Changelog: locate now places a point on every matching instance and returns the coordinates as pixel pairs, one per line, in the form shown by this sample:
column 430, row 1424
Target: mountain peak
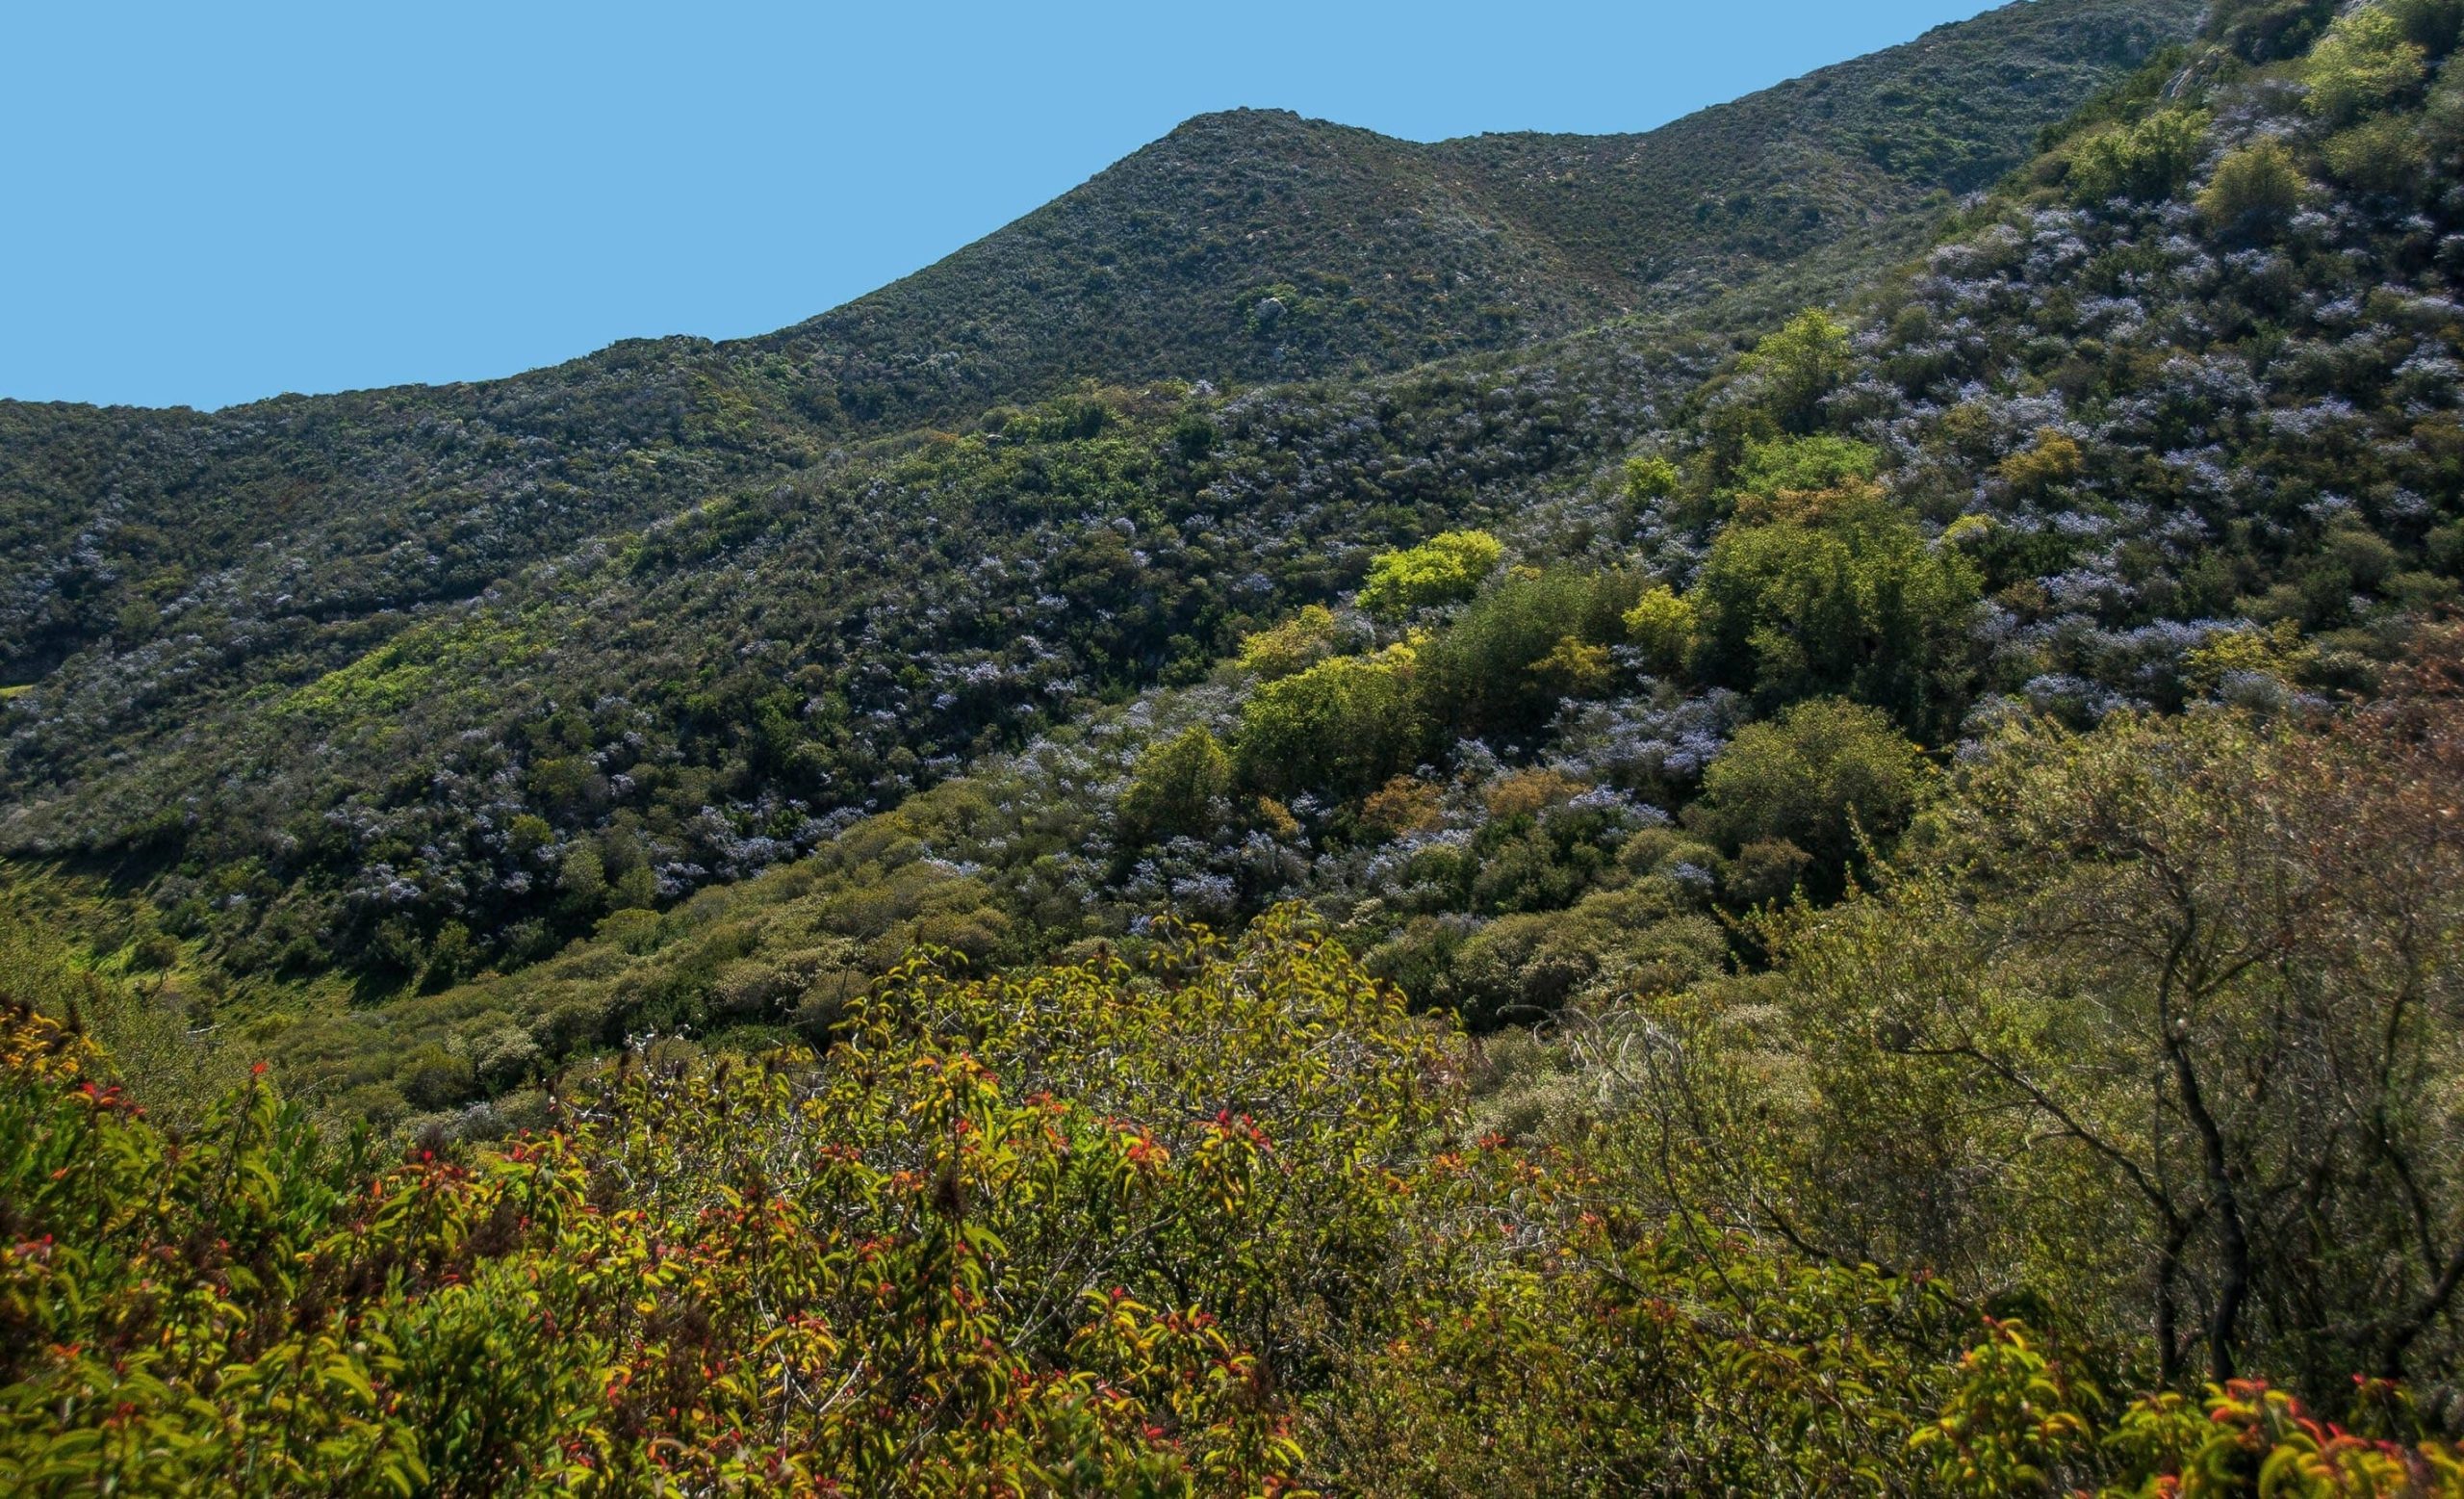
column 1392, row 252
column 1246, row 246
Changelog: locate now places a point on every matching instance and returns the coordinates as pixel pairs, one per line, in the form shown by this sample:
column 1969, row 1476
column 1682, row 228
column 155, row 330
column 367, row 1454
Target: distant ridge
column 1384, row 253
column 1245, row 246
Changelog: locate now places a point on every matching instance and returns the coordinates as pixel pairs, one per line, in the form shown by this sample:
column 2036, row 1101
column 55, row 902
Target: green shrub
column 1816, row 779
column 2149, row 160
column 1805, row 465
column 2256, row 190
column 1611, row 945
column 1445, row 569
column 633, row 929
column 1848, row 598
column 1521, row 649
column 1650, row 478
column 1799, row 366
column 1182, row 788
column 2366, row 63
column 435, row 1079
column 1342, row 728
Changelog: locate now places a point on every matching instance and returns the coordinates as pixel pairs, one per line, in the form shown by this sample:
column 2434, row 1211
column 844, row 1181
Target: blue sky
column 212, row 203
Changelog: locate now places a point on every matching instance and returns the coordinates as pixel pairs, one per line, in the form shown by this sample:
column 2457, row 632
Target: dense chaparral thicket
column 244, row 644
column 2106, row 448
column 1229, row 1218
column 1244, row 247
column 1809, row 912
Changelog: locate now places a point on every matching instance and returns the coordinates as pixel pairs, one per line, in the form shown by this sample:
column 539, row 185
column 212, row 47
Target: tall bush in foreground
column 1069, row 1233
column 2158, row 1019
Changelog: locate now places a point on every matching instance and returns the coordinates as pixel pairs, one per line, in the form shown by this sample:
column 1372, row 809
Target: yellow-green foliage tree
column 1841, row 596
column 2158, row 1019
column 1651, row 477
column 1292, row 646
column 1066, row 1233
column 1183, row 787
column 1662, row 626
column 2368, row 60
column 1447, row 568
column 2148, row 159
column 1798, row 365
column 1343, row 727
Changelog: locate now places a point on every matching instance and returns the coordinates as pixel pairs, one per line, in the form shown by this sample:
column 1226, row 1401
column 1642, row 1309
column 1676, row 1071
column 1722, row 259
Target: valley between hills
column 1767, row 806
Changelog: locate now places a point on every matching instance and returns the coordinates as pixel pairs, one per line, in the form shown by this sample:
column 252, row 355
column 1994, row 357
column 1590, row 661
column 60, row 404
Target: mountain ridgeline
column 1260, row 246
column 1763, row 809
column 256, row 638
column 1244, row 247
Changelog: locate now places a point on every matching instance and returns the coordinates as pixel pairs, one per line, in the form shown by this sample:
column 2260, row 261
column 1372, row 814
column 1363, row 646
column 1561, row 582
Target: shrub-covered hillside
column 712, row 695
column 1228, row 1220
column 1243, row 248
column 355, row 673
column 1866, row 905
column 1255, row 246
column 2117, row 444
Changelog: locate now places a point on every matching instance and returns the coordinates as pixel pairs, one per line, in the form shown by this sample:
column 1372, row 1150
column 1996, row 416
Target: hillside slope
column 1259, row 245
column 2101, row 453
column 1243, row 248
column 1929, row 841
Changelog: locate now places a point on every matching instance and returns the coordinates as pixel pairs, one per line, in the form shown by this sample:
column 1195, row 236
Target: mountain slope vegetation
column 280, row 631
column 1863, row 899
column 1257, row 247
column 1244, row 247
